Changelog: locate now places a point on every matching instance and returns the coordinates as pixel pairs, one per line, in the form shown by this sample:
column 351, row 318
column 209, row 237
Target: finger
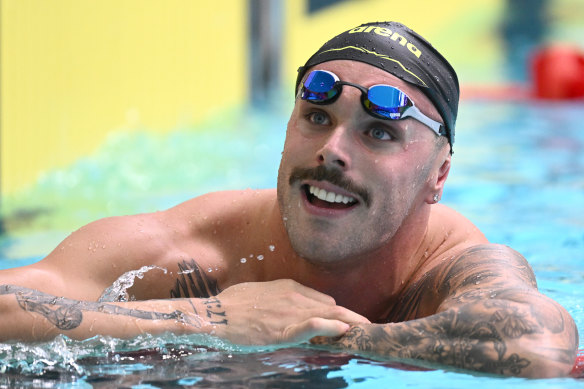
column 341, row 313
column 312, row 327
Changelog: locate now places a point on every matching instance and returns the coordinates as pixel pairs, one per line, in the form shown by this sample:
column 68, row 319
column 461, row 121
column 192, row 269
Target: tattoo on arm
column 490, row 309
column 193, row 282
column 488, row 266
column 448, row 338
column 215, row 311
column 67, row 314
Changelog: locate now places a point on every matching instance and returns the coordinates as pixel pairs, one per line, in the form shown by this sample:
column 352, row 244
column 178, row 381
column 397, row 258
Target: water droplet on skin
column 272, row 247
column 251, row 255
column 209, row 270
column 260, row 257
column 243, row 260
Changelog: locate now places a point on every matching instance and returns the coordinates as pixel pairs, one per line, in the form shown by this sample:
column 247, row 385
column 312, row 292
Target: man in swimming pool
column 352, row 250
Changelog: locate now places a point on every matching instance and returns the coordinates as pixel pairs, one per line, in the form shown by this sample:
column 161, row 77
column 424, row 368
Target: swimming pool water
column 518, row 173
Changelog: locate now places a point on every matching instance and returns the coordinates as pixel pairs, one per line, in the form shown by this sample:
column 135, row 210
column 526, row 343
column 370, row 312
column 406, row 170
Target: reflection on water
column 517, row 173
column 168, row 360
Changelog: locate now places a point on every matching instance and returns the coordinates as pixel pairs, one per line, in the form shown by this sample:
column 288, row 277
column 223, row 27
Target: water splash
column 118, row 291
column 36, row 359
column 70, row 359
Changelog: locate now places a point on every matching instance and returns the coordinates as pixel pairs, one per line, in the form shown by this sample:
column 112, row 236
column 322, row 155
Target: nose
column 335, row 149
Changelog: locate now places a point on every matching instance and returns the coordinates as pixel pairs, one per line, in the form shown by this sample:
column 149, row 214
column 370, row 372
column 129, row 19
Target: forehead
column 367, row 75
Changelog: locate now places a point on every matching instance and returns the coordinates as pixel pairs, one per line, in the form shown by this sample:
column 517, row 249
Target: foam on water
column 517, row 174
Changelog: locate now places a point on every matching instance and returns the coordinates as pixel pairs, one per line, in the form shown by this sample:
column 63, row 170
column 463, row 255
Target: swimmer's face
column 374, row 176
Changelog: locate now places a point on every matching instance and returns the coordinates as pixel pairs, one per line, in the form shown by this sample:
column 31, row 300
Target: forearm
column 30, row 315
column 493, row 336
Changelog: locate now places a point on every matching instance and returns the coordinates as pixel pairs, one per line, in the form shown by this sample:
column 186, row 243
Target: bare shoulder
column 205, row 239
column 454, row 258
column 488, row 266
column 216, row 207
column 462, row 254
column 465, row 261
column 92, row 257
column 449, row 233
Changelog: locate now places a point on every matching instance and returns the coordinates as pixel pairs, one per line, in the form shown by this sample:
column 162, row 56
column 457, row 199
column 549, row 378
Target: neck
column 380, row 274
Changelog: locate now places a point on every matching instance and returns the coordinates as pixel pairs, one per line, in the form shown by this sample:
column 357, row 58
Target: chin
column 324, row 251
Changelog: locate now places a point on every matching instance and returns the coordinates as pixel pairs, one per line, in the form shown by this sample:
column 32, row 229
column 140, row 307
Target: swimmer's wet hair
column 398, row 50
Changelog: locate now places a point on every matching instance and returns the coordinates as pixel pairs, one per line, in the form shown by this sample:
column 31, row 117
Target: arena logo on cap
column 394, row 36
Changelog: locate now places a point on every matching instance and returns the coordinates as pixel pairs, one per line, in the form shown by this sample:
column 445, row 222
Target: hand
column 281, row 311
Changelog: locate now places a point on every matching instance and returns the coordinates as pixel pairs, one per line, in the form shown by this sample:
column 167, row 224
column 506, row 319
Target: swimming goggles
column 380, row 101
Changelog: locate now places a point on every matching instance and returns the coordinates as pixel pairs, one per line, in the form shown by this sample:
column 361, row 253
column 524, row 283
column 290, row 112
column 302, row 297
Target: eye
column 319, row 118
column 379, row 134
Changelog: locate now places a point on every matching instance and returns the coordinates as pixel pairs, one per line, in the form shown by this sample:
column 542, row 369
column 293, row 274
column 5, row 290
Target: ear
column 438, row 178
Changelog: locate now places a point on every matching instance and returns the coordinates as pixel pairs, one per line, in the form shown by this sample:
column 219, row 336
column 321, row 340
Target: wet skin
column 434, row 288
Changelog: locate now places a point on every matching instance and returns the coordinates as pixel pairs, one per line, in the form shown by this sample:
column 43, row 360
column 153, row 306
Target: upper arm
column 486, row 271
column 498, row 285
column 91, row 258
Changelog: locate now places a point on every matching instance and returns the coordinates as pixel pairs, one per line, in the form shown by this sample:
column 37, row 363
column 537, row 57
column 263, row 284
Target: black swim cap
column 402, row 52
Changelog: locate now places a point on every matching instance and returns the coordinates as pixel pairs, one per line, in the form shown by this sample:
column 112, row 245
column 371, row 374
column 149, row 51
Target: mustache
column 334, row 176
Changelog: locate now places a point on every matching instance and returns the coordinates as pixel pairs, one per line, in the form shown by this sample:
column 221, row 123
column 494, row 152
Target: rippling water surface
column 518, row 173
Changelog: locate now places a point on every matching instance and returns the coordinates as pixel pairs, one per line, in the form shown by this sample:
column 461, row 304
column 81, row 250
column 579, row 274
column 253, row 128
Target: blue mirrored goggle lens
column 381, row 100
column 319, row 87
column 386, row 101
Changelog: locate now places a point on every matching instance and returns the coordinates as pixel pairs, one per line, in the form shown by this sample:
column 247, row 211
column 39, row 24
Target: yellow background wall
column 73, row 71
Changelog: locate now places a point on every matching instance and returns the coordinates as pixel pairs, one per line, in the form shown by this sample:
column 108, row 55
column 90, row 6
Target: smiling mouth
column 328, row 199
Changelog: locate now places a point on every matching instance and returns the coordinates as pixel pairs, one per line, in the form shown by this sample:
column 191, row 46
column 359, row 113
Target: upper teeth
column 331, row 197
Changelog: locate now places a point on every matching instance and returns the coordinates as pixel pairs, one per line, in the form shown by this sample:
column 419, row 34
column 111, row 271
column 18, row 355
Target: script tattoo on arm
column 215, row 311
column 67, row 314
column 492, row 319
column 194, row 282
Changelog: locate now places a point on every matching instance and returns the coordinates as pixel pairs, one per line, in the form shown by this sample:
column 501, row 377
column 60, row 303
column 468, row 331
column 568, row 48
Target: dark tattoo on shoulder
column 491, row 265
column 192, row 281
column 410, row 302
column 67, row 314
